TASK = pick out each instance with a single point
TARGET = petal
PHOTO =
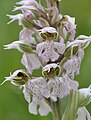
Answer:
(18, 78)
(62, 86)
(47, 31)
(26, 2)
(39, 87)
(40, 48)
(72, 34)
(83, 114)
(52, 86)
(26, 36)
(45, 92)
(71, 19)
(71, 84)
(60, 47)
(80, 41)
(63, 89)
(55, 14)
(26, 93)
(83, 37)
(37, 82)
(44, 108)
(15, 17)
(72, 66)
(50, 50)
(25, 8)
(69, 24)
(52, 66)
(19, 45)
(85, 96)
(43, 23)
(48, 2)
(80, 54)
(58, 88)
(13, 45)
(33, 107)
(31, 62)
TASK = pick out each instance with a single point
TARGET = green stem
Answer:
(56, 110)
(58, 6)
(72, 107)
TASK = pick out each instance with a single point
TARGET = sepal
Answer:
(72, 106)
(20, 45)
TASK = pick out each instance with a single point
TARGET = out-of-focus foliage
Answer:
(12, 104)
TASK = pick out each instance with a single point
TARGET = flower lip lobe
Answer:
(50, 50)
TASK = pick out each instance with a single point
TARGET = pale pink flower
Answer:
(15, 17)
(50, 50)
(70, 27)
(83, 114)
(31, 62)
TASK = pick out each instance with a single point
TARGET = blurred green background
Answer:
(12, 103)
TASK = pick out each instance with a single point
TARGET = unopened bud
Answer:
(84, 96)
(27, 23)
(29, 16)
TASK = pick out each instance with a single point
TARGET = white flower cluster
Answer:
(47, 42)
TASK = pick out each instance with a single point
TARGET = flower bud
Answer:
(71, 50)
(84, 96)
(29, 16)
(32, 14)
(27, 23)
(18, 78)
(21, 46)
(51, 70)
(48, 33)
